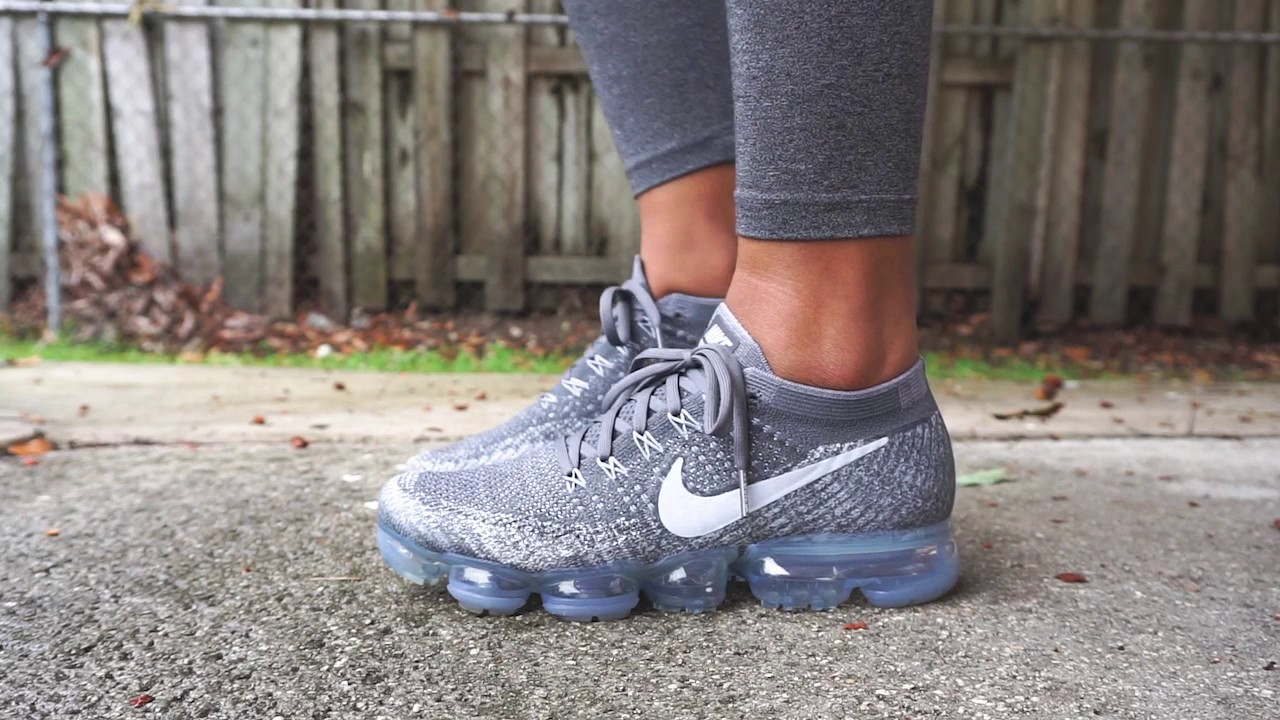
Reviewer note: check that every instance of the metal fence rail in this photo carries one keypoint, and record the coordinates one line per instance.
(1098, 161)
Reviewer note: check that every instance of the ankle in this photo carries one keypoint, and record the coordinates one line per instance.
(832, 314)
(687, 237)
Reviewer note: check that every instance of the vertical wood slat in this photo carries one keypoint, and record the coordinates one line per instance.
(932, 121)
(280, 165)
(402, 217)
(1270, 219)
(544, 140)
(1027, 155)
(473, 130)
(136, 124)
(326, 150)
(1122, 174)
(506, 95)
(1188, 165)
(8, 159)
(433, 95)
(997, 156)
(615, 220)
(194, 173)
(940, 233)
(242, 129)
(365, 165)
(82, 108)
(1070, 151)
(575, 168)
(1240, 219)
(30, 173)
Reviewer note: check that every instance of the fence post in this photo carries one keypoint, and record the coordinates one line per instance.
(434, 269)
(82, 105)
(283, 85)
(1026, 159)
(49, 182)
(242, 51)
(326, 165)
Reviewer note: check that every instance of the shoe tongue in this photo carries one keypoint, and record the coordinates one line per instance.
(725, 330)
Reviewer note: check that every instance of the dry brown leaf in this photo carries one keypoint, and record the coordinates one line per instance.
(30, 448)
(298, 442)
(1072, 577)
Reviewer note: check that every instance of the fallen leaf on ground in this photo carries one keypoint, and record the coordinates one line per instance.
(460, 406)
(482, 395)
(298, 442)
(140, 700)
(53, 532)
(1106, 404)
(1193, 503)
(1276, 523)
(986, 546)
(856, 625)
(30, 461)
(28, 448)
(983, 477)
(1049, 387)
(1271, 665)
(258, 420)
(1070, 577)
(1045, 412)
(1057, 521)
(1058, 498)
(84, 410)
(339, 386)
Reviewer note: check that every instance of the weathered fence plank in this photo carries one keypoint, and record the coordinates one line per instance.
(8, 158)
(326, 148)
(1188, 164)
(365, 162)
(28, 218)
(402, 201)
(242, 127)
(282, 87)
(135, 122)
(433, 96)
(1074, 60)
(575, 168)
(193, 171)
(1244, 168)
(1029, 111)
(615, 220)
(82, 108)
(507, 97)
(940, 233)
(1122, 174)
(1270, 220)
(544, 139)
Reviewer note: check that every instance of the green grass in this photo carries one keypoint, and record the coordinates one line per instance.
(494, 358)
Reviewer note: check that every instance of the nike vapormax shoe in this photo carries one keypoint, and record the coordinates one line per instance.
(706, 464)
(632, 321)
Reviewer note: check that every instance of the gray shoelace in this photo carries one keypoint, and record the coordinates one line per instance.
(625, 299)
(709, 370)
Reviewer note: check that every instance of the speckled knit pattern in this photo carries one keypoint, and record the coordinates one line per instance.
(576, 399)
(522, 512)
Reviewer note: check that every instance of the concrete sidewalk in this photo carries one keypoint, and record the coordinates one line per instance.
(227, 575)
(103, 403)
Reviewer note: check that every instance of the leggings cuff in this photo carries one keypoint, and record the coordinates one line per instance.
(672, 162)
(784, 218)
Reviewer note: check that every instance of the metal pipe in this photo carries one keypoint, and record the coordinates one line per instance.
(274, 14)
(49, 180)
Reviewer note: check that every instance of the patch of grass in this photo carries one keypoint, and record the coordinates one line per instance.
(494, 358)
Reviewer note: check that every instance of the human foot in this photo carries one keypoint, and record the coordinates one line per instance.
(705, 464)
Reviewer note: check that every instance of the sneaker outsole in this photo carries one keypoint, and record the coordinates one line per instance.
(817, 572)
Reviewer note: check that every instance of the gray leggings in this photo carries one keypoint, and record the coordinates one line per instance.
(820, 103)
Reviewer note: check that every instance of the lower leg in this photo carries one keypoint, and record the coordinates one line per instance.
(687, 236)
(828, 112)
(831, 313)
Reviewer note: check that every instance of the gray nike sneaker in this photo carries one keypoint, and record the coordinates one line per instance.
(632, 321)
(705, 464)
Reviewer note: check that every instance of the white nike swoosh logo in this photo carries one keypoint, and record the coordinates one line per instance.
(689, 515)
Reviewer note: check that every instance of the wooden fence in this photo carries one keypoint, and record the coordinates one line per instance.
(359, 164)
